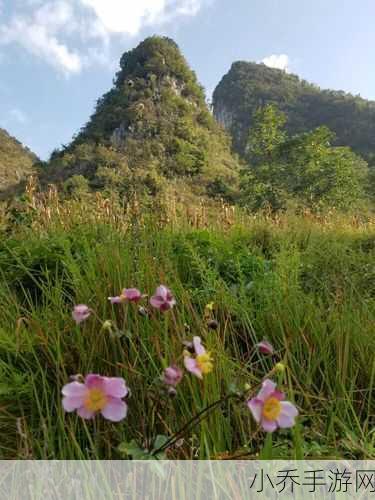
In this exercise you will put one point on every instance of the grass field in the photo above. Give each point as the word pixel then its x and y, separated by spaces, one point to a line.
pixel 306 284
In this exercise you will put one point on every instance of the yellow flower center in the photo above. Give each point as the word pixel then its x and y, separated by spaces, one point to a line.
pixel 95 400
pixel 204 362
pixel 271 409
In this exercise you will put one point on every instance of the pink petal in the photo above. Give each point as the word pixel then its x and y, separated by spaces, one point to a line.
pixel 197 343
pixel 84 413
pixel 115 300
pixel 132 294
pixel 287 408
pixel 162 291
pixel 71 403
pixel 80 313
pixel 115 410
pixel 265 347
pixel 115 387
pixel 93 380
pixel 256 406
pixel 166 306
pixel 268 425
pixel 156 301
pixel 74 389
pixel 192 367
pixel 268 387
pixel 285 421
pixel 172 375
pixel 278 395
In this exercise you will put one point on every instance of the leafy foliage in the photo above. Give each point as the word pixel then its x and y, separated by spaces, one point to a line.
pixel 304 168
pixel 16 162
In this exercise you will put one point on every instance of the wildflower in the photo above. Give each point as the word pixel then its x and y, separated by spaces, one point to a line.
pixel 208 308
pixel 163 299
pixel 265 347
pixel 81 313
pixel 172 375
pixel 108 325
pixel 128 294
pixel 270 410
pixel 280 367
pixel 96 394
pixel 202 363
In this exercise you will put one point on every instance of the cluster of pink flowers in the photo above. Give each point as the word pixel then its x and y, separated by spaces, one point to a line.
pixel 162 300
pixel 198 362
pixel 104 395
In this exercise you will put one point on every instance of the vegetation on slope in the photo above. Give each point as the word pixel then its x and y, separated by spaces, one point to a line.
pixel 152 128
pixel 16 163
pixel 248 85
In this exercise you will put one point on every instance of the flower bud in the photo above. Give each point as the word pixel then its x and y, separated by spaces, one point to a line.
pixel 107 325
pixel 280 367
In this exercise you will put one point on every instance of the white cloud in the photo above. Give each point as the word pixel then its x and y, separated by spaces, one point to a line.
pixel 278 61
pixel 72 34
pixel 38 34
pixel 18 115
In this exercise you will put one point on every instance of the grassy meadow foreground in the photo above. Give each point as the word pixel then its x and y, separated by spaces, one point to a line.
pixel 306 284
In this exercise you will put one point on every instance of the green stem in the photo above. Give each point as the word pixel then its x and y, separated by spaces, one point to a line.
pixel 266 453
pixel 195 420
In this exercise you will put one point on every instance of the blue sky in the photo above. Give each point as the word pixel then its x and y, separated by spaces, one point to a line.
pixel 58 56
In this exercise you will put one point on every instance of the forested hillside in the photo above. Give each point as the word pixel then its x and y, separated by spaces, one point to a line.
pixel 16 162
pixel 248 85
pixel 152 128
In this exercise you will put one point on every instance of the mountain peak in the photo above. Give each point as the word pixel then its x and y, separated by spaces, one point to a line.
pixel 152 127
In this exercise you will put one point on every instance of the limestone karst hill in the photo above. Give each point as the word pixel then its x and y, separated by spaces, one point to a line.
pixel 152 129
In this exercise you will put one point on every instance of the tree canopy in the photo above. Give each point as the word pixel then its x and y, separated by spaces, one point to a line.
pixel 304 169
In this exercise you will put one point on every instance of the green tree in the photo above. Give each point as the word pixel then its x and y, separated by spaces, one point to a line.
pixel 304 169
pixel 266 135
pixel 319 175
pixel 262 183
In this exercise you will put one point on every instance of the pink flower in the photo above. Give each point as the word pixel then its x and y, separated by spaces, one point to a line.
pixel 265 347
pixel 81 313
pixel 270 410
pixel 163 299
pixel 172 375
pixel 201 364
pixel 96 394
pixel 130 294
